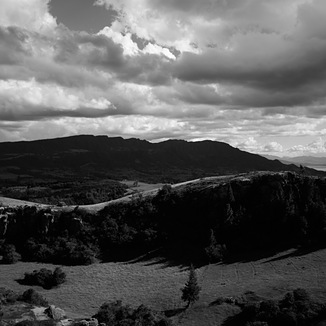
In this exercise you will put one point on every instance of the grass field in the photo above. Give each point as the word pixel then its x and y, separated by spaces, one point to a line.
pixel 158 285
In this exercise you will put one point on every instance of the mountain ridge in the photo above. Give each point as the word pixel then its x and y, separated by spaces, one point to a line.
pixel 172 160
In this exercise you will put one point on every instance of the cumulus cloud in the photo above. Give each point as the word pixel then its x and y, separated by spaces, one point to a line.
pixel 254 146
pixel 318 146
pixel 32 15
pixel 251 72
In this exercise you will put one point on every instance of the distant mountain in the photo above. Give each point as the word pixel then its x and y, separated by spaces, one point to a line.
pixel 310 161
pixel 94 157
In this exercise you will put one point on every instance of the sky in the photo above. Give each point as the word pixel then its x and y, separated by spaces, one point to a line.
pixel 251 73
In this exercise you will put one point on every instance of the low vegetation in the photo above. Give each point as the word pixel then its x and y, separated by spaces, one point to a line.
pixel 9 254
pixel 45 278
pixel 29 296
pixel 80 192
pixel 200 224
pixel 117 314
pixel 296 308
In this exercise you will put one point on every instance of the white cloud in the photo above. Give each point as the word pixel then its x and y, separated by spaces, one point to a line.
pixel 318 146
pixel 32 15
pixel 30 99
pixel 116 33
pixel 157 49
pixel 253 146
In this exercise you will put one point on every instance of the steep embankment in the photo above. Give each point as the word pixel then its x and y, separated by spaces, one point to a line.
pixel 204 220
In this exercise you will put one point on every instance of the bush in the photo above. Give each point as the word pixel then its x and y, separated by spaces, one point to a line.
pixel 117 314
pixel 296 308
pixel 36 323
pixel 9 254
pixel 45 278
pixel 32 297
pixel 8 296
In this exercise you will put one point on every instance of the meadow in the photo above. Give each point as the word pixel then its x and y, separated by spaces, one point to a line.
pixel 157 284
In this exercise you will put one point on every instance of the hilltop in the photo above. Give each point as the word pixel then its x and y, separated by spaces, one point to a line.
pixel 98 157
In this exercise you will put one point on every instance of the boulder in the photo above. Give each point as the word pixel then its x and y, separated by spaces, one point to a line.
pixel 55 313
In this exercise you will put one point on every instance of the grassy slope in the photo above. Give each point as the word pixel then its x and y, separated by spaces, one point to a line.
pixel 158 285
pixel 144 189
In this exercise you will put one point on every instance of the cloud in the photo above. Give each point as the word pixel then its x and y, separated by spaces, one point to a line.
pixel 251 72
pixel 318 146
pixel 31 15
pixel 252 145
pixel 30 100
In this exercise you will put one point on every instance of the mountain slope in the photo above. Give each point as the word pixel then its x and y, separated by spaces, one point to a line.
pixel 118 158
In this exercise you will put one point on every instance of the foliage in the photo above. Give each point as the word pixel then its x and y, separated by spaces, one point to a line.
pixel 8 296
pixel 190 292
pixel 296 308
pixel 9 254
pixel 27 322
pixel 45 278
pixel 117 314
pixel 83 192
pixel 199 224
pixel 29 296
pixel 215 252
pixel 32 297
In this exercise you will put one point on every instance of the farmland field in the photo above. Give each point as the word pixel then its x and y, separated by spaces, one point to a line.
pixel 157 284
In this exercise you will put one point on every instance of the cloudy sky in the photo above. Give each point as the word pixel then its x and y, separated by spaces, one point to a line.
pixel 251 73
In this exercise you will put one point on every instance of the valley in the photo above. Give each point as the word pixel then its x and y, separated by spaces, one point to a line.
pixel 156 283
pixel 121 229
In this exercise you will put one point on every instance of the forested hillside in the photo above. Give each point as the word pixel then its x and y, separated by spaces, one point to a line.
pixel 44 162
pixel 207 221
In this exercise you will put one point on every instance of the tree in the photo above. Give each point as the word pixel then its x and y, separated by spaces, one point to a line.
pixel 190 293
pixel 9 254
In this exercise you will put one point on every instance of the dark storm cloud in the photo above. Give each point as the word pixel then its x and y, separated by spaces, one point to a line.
pixel 295 70
pixel 86 49
pixel 37 112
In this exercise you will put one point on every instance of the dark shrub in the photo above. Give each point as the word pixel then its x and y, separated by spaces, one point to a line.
pixel 27 323
pixel 296 308
pixel 9 254
pixel 8 296
pixel 36 323
pixel 113 312
pixel 45 278
pixel 32 297
pixel 59 276
pixel 116 314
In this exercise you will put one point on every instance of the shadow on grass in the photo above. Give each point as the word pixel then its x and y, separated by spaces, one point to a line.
pixel 24 282
pixel 297 253
pixel 174 312
pixel 251 256
pixel 272 254
pixel 165 258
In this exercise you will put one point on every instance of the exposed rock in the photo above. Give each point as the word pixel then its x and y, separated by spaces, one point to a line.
pixel 55 313
pixel 39 313
pixel 76 224
pixel 45 222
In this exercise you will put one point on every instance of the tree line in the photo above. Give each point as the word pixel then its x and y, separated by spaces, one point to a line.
pixel 194 224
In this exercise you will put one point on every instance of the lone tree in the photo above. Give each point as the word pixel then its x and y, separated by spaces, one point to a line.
pixel 190 293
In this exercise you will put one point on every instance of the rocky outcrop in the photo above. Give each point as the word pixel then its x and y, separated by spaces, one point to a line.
pixel 55 312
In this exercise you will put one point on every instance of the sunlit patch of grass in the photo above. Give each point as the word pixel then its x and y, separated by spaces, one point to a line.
pixel 158 285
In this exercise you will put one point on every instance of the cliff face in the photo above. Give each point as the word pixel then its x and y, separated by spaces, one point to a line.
pixel 234 213
pixel 250 191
